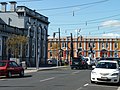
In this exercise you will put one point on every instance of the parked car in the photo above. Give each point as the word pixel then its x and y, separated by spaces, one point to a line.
pixel 53 62
pixel 106 71
pixel 90 61
pixel 9 68
pixel 78 63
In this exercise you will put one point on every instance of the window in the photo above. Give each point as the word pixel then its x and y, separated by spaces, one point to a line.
pixel 106 44
pixel 26 50
pixel 80 44
pixel 116 45
pixel 93 44
pixel 21 14
pixel 50 44
pixel 102 44
pixel 33 50
pixel 19 50
pixel 63 44
pixel 50 54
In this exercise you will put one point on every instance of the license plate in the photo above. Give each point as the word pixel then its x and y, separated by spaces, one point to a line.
pixel 76 62
pixel 104 78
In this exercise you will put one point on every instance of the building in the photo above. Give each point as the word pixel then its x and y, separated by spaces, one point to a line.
pixel 89 46
pixel 33 25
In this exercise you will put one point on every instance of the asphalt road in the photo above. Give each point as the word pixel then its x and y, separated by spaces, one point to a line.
pixel 58 79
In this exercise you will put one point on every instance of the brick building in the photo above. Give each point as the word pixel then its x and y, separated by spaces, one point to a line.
pixel 89 46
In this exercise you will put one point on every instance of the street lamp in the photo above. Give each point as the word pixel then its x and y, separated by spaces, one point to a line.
pixel 59 56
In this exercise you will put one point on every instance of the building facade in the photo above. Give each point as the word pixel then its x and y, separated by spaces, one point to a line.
pixel 34 26
pixel 89 47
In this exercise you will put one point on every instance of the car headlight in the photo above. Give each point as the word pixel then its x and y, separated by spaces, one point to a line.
pixel 93 72
pixel 115 74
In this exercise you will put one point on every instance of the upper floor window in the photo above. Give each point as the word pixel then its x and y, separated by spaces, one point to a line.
pixel 33 50
pixel 116 45
pixel 21 14
pixel 50 44
pixel 27 49
pixel 93 44
pixel 106 44
pixel 102 44
pixel 63 44
pixel 80 44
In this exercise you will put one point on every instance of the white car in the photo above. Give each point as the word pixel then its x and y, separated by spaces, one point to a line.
pixel 106 71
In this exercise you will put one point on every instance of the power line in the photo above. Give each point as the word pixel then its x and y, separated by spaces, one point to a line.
pixel 26 0
pixel 89 21
pixel 75 5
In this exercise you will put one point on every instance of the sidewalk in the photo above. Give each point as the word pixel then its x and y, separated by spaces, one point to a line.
pixel 33 69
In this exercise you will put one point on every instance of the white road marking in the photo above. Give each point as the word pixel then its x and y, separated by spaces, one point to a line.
pixel 47 79
pixel 2 79
pixel 86 85
pixel 79 88
pixel 95 85
pixel 118 88
pixel 76 72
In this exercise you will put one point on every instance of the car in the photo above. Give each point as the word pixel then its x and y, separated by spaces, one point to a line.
pixel 9 68
pixel 53 62
pixel 106 71
pixel 90 61
pixel 79 63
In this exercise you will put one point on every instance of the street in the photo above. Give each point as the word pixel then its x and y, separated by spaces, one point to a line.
pixel 56 79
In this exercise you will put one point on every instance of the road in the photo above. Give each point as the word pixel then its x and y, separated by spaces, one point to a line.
pixel 57 79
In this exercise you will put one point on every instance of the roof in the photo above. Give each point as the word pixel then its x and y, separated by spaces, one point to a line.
pixel 108 61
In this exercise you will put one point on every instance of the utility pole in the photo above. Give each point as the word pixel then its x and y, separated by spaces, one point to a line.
pixel 59 47
pixel 78 30
pixel 59 51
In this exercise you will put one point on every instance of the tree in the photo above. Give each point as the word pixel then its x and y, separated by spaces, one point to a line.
pixel 14 44
pixel 55 48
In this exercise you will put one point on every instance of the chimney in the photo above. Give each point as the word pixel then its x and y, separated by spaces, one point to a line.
pixel 13 6
pixel 3 6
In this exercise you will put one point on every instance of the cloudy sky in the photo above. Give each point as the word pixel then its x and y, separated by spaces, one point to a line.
pixel 91 17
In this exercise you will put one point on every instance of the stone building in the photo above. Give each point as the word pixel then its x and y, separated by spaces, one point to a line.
pixel 26 22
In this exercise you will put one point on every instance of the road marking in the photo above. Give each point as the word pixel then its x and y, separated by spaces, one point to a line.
pixel 118 88
pixel 79 88
pixel 102 86
pixel 47 79
pixel 2 79
pixel 86 85
pixel 76 72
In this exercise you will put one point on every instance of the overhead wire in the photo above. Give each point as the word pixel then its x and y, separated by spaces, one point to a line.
pixel 74 5
pixel 26 0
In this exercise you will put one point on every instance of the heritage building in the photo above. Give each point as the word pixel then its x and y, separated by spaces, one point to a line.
pixel 21 20
pixel 89 46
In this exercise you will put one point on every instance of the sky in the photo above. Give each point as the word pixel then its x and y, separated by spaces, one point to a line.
pixel 86 18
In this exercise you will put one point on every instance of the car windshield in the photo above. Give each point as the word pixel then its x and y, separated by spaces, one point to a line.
pixel 107 65
pixel 2 64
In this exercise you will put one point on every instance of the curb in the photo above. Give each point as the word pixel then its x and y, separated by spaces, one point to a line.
pixel 30 70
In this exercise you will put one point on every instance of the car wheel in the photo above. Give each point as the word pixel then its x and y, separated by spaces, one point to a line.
pixel 92 81
pixel 21 73
pixel 71 67
pixel 9 74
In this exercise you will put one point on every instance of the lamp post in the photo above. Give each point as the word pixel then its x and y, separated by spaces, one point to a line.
pixel 59 56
